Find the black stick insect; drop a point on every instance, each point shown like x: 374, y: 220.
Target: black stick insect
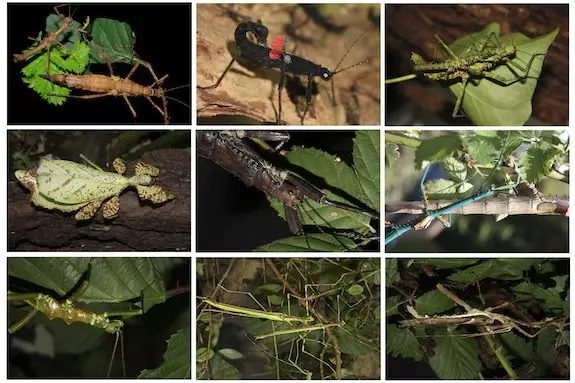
x: 232, y: 151
x: 261, y: 55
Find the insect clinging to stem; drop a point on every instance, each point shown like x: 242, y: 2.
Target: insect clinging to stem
x: 111, y: 85
x: 493, y: 77
x: 259, y: 54
x: 64, y: 30
x: 83, y: 303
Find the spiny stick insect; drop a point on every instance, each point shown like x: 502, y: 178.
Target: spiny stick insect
x: 510, y: 74
x: 82, y: 301
x: 274, y: 56
x: 61, y: 51
x: 60, y: 29
x: 69, y: 312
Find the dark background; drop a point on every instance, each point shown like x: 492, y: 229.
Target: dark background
x: 163, y: 38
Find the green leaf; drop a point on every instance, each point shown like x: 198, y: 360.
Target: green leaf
x: 537, y: 161
x: 355, y: 290
x: 546, y: 351
x: 272, y: 288
x: 447, y: 189
x: 366, y: 155
x: 111, y: 280
x: 517, y: 346
x: 203, y: 354
x: 230, y: 353
x: 447, y: 263
x: 220, y: 369
x: 310, y: 242
x: 433, y: 302
x: 455, y: 169
x: 371, y: 267
x: 113, y: 39
x: 177, y: 359
x: 337, y: 176
x: 75, y: 61
x: 456, y: 358
x: 550, y: 298
x: 67, y: 38
x: 391, y: 305
x: 391, y: 272
x: 487, y: 102
x: 483, y: 149
x: 437, y: 148
x: 403, y: 343
x: 352, y: 344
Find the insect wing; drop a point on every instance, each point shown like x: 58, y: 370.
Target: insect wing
x: 67, y: 182
x: 277, y: 45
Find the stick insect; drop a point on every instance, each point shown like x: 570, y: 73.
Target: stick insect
x: 260, y: 55
x: 487, y: 74
x: 232, y: 151
x: 292, y: 333
x: 61, y: 29
x: 108, y: 34
x: 91, y: 300
x: 111, y: 85
x: 424, y: 221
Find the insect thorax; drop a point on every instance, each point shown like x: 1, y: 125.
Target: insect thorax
x: 142, y: 180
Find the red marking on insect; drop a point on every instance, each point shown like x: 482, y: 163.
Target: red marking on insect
x: 277, y: 46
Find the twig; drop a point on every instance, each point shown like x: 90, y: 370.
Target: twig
x: 509, y: 206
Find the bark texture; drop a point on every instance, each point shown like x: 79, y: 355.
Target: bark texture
x: 253, y: 93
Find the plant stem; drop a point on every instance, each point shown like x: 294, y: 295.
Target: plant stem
x: 401, y: 79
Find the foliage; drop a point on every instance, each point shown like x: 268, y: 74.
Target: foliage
x: 342, y: 291
x: 489, y: 103
x: 533, y: 289
x: 114, y: 285
x: 75, y: 49
x: 472, y: 161
x: 359, y: 182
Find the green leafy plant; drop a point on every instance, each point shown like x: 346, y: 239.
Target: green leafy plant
x: 471, y: 162
x: 75, y: 50
x: 516, y: 323
x: 338, y: 299
x: 489, y: 103
x: 360, y: 182
x: 121, y: 287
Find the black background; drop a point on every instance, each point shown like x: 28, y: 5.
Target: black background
x: 163, y: 38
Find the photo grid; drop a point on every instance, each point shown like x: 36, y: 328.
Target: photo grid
x: 132, y: 245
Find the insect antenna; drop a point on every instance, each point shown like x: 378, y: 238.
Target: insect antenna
x: 175, y: 99
x: 336, y: 71
x: 119, y: 334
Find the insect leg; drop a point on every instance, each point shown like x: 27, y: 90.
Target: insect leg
x: 22, y: 322
x: 446, y: 48
x: 315, y: 194
x: 221, y: 77
x: 280, y: 88
x: 460, y: 97
x: 308, y: 95
x: 293, y: 220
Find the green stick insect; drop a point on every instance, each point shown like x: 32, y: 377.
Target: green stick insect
x: 91, y: 298
x: 306, y: 331
x: 493, y: 77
